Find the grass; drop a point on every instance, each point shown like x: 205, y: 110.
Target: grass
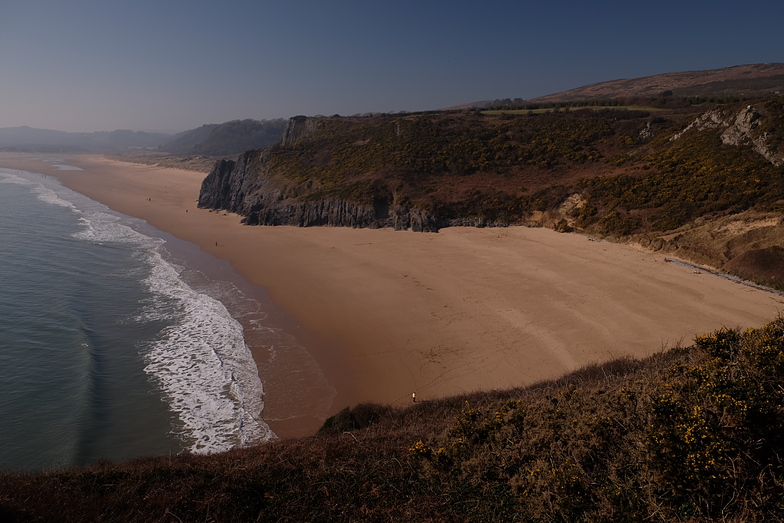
x: 691, y: 434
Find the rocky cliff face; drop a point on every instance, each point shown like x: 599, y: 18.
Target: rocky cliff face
x: 738, y: 128
x: 245, y: 187
x: 298, y: 127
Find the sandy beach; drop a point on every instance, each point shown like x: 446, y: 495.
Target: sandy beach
x: 396, y: 312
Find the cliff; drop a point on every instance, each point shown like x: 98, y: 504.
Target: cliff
x: 741, y: 127
x: 297, y: 128
x: 246, y: 187
x: 431, y: 170
x: 420, y: 172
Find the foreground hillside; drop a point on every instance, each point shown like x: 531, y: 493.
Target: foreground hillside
x: 692, y: 434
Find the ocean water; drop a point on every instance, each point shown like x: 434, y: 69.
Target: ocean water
x: 111, y: 347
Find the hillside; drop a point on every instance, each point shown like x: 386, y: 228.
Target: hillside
x: 742, y: 80
x: 226, y: 139
x: 648, y: 174
x: 692, y: 434
x: 47, y: 140
x: 184, y: 142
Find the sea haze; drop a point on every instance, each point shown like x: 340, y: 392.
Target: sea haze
x: 106, y: 351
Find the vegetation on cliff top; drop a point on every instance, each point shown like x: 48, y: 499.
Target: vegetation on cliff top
x: 691, y: 434
x: 501, y: 167
x: 606, y: 169
x: 443, y: 163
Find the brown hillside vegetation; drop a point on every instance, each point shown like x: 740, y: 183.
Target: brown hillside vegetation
x: 692, y: 434
x: 746, y: 244
x: 763, y: 265
x: 739, y: 80
x: 646, y: 174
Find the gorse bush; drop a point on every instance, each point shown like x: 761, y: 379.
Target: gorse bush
x: 696, y: 176
x: 699, y: 435
x: 718, y: 423
x: 438, y: 162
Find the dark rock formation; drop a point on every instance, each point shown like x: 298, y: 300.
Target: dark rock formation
x: 245, y: 187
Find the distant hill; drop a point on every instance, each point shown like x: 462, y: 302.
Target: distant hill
x: 226, y: 139
x: 754, y: 80
x: 740, y: 80
x: 47, y: 140
x: 184, y: 142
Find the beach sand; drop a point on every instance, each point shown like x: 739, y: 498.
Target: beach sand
x: 397, y: 312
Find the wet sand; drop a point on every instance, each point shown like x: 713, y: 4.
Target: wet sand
x: 387, y: 313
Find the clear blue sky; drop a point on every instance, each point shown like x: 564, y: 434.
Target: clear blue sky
x: 171, y: 65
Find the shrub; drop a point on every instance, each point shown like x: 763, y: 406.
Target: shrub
x: 699, y: 435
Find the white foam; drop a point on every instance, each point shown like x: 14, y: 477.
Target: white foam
x: 47, y: 195
x: 101, y: 227
x: 201, y: 363
x: 207, y: 371
x: 11, y: 177
x: 43, y: 193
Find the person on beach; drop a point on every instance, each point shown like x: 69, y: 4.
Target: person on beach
x: 413, y: 397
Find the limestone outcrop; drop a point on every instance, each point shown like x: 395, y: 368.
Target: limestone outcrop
x: 738, y: 128
x: 245, y: 187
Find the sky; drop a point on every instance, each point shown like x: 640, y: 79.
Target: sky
x: 173, y: 65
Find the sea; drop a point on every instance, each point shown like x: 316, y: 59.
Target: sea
x: 111, y: 346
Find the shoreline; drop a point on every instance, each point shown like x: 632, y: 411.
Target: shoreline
x: 287, y: 415
x: 387, y: 313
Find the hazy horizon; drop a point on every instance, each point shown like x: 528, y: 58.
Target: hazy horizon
x: 89, y: 66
